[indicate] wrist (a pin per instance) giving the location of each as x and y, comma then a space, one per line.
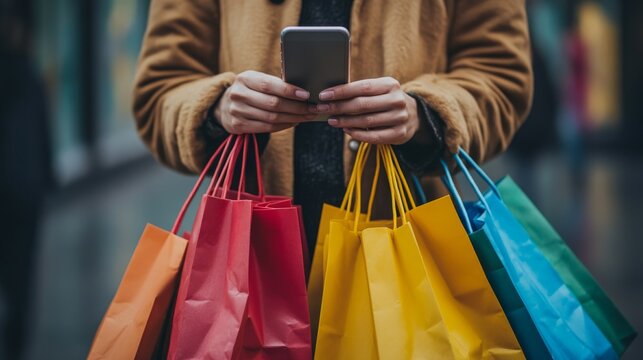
212, 125
215, 110
422, 152
420, 129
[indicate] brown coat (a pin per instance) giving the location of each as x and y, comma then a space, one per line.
469, 59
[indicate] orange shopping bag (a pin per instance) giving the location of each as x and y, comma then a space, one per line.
132, 327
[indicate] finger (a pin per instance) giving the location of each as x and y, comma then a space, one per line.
269, 102
250, 112
369, 121
250, 126
363, 104
268, 84
388, 135
368, 87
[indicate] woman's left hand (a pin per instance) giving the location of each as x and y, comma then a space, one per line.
375, 111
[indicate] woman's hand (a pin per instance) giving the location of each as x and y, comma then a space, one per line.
261, 103
375, 111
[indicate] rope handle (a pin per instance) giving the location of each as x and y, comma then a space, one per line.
401, 196
220, 151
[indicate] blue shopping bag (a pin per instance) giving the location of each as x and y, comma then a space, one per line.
566, 328
521, 323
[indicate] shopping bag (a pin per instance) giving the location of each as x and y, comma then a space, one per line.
518, 316
278, 320
407, 317
318, 265
206, 303
384, 295
564, 325
135, 321
346, 329
475, 322
571, 270
132, 325
242, 291
316, 278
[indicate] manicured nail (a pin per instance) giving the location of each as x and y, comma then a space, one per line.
326, 95
323, 107
332, 122
302, 94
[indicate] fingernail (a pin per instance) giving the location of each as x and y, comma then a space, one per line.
302, 94
326, 95
332, 122
323, 107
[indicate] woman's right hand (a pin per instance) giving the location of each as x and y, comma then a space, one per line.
261, 103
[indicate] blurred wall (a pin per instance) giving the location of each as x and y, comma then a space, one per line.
87, 51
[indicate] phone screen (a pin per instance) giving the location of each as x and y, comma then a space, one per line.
315, 58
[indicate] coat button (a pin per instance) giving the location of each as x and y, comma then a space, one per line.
353, 145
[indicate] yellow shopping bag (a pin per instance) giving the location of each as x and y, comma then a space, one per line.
407, 322
346, 329
392, 292
474, 319
316, 277
365, 314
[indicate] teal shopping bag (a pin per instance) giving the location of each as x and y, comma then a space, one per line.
572, 271
565, 326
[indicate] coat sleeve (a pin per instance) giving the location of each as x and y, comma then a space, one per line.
485, 94
177, 81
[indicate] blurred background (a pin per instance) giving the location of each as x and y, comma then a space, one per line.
78, 186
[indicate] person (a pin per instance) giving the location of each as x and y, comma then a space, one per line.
428, 76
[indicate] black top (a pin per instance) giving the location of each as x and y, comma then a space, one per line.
318, 152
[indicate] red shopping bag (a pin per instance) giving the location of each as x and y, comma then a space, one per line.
242, 292
135, 322
278, 321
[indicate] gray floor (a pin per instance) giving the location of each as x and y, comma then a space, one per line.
88, 237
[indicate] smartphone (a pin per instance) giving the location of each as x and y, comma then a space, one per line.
315, 57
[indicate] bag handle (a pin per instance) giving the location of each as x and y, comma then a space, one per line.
221, 171
231, 165
242, 180
356, 174
376, 179
220, 165
244, 158
401, 177
179, 219
448, 182
447, 179
479, 171
222, 179
397, 203
401, 197
418, 189
353, 192
450, 185
260, 186
471, 182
